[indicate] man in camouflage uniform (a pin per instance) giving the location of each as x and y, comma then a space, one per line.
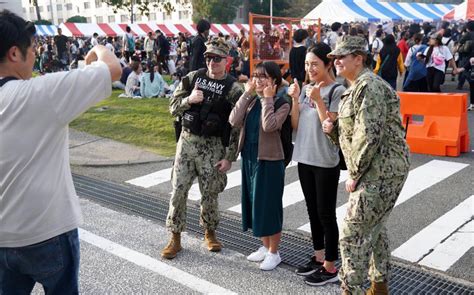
371, 137
203, 100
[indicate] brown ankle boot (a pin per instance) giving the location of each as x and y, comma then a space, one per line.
213, 244
173, 247
378, 289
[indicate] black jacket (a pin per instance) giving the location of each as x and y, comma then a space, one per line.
197, 54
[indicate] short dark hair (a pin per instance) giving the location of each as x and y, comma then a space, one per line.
128, 29
335, 26
95, 35
203, 25
300, 35
321, 50
470, 25
272, 69
15, 31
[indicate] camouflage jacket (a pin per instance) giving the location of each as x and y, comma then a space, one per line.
370, 131
179, 104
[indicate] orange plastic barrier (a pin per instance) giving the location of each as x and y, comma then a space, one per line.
437, 122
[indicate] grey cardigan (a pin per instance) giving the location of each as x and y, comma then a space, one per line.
269, 142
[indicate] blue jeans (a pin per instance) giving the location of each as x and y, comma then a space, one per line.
53, 263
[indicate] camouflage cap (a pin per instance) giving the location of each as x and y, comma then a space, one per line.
217, 47
350, 45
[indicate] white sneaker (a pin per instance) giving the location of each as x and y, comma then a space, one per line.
471, 107
271, 261
258, 255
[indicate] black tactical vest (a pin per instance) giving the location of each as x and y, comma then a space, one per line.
210, 117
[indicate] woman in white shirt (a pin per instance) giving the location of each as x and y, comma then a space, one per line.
132, 87
436, 56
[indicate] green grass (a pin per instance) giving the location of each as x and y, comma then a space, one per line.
145, 123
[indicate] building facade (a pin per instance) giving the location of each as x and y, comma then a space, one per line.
12, 5
96, 11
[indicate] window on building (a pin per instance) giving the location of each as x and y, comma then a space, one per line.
41, 8
166, 16
89, 20
48, 8
60, 21
59, 7
124, 18
99, 19
152, 16
98, 3
183, 14
24, 10
68, 6
32, 10
241, 12
87, 5
111, 18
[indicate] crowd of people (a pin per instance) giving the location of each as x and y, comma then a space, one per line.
354, 126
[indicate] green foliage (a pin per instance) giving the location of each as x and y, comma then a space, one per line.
43, 22
144, 6
145, 123
280, 7
216, 11
77, 19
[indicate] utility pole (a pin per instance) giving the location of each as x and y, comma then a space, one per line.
271, 12
131, 10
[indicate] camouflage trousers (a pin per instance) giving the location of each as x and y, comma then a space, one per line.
196, 156
364, 242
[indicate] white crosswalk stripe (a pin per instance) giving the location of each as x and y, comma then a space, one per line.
152, 179
437, 246
418, 247
292, 193
418, 180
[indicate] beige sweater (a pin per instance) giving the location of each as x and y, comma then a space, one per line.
269, 142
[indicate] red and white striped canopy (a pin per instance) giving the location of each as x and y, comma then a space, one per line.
464, 11
87, 30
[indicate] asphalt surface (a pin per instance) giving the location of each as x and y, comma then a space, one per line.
105, 273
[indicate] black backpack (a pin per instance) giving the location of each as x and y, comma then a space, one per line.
286, 131
342, 161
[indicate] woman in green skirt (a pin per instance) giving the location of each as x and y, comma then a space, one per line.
263, 168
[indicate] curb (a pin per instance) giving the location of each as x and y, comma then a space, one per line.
118, 163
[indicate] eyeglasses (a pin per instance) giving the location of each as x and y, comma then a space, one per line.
259, 76
214, 58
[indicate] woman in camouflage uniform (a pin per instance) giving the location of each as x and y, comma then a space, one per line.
371, 136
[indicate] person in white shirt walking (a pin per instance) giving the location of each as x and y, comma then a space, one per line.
39, 208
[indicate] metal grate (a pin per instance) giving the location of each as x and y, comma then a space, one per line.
295, 248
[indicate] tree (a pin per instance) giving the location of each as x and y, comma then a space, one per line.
35, 4
280, 7
43, 22
77, 19
217, 11
143, 6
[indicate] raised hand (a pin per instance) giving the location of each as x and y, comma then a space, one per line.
328, 124
294, 90
270, 90
314, 93
196, 95
250, 85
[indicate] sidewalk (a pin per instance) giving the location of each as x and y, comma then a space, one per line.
90, 150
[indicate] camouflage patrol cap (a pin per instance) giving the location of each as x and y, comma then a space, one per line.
350, 45
217, 47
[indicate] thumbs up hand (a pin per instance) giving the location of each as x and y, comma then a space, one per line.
328, 124
294, 90
196, 95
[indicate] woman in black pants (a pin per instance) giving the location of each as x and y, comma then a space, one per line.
318, 161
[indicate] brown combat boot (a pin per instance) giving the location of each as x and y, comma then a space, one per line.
213, 244
173, 247
378, 288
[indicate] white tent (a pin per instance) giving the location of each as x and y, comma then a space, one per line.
376, 11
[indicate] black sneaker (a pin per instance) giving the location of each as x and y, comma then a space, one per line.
309, 268
321, 277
